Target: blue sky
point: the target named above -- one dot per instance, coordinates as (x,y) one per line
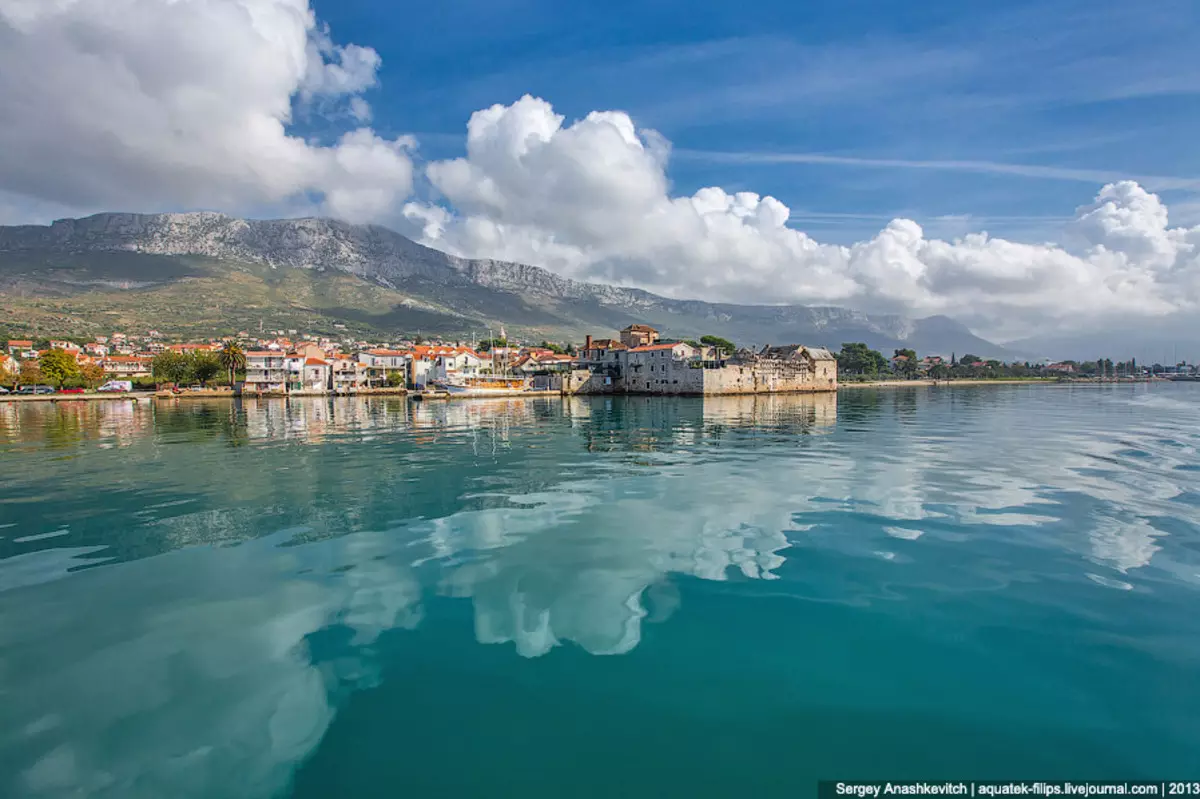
(1079,92)
(1062,128)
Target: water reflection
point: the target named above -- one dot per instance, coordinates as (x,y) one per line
(188,590)
(189,674)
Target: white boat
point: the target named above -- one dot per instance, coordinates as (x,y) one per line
(483,386)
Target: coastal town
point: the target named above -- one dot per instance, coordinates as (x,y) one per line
(287,362)
(638,361)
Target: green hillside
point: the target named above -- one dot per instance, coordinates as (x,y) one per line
(96,293)
(47,295)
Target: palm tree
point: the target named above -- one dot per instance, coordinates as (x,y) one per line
(232,358)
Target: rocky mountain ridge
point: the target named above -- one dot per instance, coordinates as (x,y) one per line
(390,259)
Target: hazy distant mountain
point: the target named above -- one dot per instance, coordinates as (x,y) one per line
(134,265)
(1165,340)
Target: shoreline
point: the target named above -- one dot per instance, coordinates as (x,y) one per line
(136,396)
(998,381)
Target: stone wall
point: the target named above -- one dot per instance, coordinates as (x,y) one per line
(672,376)
(768,375)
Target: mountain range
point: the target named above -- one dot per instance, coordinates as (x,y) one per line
(205,273)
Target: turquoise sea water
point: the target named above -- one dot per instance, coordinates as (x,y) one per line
(599,597)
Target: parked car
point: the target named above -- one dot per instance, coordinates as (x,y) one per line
(70,391)
(35,390)
(117,385)
(4,390)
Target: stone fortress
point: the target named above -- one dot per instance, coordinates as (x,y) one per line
(638,363)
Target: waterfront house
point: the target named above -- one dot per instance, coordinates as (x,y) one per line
(125,367)
(380,362)
(424,362)
(348,373)
(266,370)
(316,375)
(638,336)
(542,363)
(463,362)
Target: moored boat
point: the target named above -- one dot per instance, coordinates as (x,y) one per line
(483,386)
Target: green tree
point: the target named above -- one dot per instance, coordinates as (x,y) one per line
(486,344)
(58,366)
(92,374)
(395,379)
(723,344)
(556,349)
(858,359)
(232,358)
(170,367)
(30,373)
(906,362)
(204,366)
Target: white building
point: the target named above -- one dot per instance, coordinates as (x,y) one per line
(316,374)
(349,374)
(379,363)
(424,368)
(125,366)
(460,364)
(266,370)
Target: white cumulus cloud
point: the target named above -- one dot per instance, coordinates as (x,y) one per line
(146,105)
(149,105)
(592,199)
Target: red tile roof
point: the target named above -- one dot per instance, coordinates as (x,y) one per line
(315,362)
(652,347)
(12,342)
